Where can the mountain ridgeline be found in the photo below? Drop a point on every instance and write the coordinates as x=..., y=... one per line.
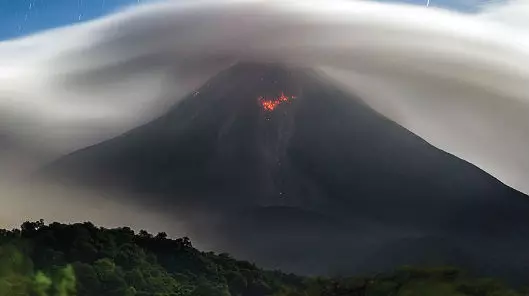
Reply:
x=302, y=176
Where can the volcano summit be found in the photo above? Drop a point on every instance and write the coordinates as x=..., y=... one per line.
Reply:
x=303, y=176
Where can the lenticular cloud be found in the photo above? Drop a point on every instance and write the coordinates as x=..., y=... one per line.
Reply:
x=460, y=81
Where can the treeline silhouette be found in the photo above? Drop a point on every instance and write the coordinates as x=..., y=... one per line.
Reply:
x=84, y=260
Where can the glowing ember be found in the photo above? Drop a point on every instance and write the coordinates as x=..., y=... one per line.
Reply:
x=271, y=104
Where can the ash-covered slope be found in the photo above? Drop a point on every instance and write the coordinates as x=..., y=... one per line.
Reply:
x=219, y=145
x=311, y=180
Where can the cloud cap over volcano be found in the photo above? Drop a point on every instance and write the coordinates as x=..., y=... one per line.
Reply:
x=458, y=80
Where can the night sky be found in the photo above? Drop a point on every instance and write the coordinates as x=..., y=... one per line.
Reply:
x=23, y=17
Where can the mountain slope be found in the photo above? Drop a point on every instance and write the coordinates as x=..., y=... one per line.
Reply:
x=344, y=183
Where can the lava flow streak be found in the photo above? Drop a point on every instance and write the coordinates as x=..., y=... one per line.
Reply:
x=271, y=104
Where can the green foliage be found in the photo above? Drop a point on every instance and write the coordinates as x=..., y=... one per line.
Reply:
x=84, y=260
x=42, y=284
x=64, y=283
x=17, y=277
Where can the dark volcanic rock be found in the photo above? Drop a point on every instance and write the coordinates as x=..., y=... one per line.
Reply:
x=320, y=184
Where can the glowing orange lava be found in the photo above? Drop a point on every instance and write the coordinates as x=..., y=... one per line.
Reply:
x=271, y=104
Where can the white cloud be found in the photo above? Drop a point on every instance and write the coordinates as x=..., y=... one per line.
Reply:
x=460, y=81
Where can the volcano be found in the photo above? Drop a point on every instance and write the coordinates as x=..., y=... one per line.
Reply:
x=305, y=177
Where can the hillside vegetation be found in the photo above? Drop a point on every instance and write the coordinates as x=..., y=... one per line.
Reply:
x=84, y=260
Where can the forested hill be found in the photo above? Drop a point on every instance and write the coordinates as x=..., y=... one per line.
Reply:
x=85, y=260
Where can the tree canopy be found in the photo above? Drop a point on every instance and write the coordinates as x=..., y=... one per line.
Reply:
x=84, y=260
